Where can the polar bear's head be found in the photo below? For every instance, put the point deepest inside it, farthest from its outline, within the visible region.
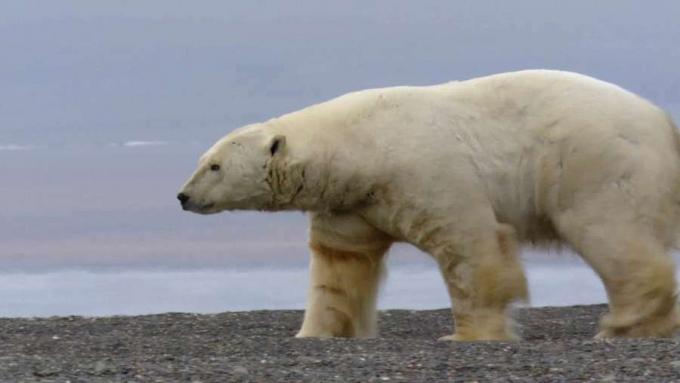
(234, 174)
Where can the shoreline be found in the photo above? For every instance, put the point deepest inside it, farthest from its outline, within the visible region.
(259, 346)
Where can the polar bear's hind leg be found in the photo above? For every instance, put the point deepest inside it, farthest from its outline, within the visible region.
(638, 274)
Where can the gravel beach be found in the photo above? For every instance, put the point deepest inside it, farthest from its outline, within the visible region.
(258, 346)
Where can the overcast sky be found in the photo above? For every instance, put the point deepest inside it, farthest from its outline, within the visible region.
(101, 71)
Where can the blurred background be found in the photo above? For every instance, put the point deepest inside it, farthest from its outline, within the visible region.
(106, 106)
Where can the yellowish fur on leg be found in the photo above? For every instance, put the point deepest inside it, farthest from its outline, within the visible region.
(638, 275)
(644, 304)
(483, 325)
(342, 293)
(483, 286)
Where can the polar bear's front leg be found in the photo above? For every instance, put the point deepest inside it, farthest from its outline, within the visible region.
(484, 276)
(345, 271)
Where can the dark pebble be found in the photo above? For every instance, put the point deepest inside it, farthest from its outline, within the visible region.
(258, 346)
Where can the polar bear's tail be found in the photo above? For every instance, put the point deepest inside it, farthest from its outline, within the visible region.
(676, 135)
(669, 118)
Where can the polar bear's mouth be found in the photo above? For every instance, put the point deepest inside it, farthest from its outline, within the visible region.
(207, 206)
(201, 209)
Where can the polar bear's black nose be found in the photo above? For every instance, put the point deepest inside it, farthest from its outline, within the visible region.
(183, 198)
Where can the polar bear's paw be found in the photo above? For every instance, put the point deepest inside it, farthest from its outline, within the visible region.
(660, 326)
(477, 337)
(318, 334)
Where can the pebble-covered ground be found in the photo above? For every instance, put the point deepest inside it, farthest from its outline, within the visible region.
(258, 346)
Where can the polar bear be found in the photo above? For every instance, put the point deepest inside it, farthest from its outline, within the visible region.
(466, 171)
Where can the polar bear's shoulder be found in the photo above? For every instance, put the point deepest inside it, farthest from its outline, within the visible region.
(354, 103)
(552, 86)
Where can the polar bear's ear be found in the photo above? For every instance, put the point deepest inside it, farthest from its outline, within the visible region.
(277, 144)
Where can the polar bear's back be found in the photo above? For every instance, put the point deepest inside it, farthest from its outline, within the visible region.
(495, 118)
(530, 142)
(527, 100)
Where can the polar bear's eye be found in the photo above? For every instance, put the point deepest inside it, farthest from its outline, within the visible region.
(214, 167)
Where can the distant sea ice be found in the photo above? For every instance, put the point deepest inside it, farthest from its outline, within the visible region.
(17, 147)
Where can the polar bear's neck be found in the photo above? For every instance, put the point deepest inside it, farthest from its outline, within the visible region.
(319, 171)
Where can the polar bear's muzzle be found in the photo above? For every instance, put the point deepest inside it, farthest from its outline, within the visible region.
(189, 205)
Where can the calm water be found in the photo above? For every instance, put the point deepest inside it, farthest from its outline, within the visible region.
(140, 291)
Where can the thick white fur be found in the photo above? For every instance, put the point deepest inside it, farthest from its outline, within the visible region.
(465, 171)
